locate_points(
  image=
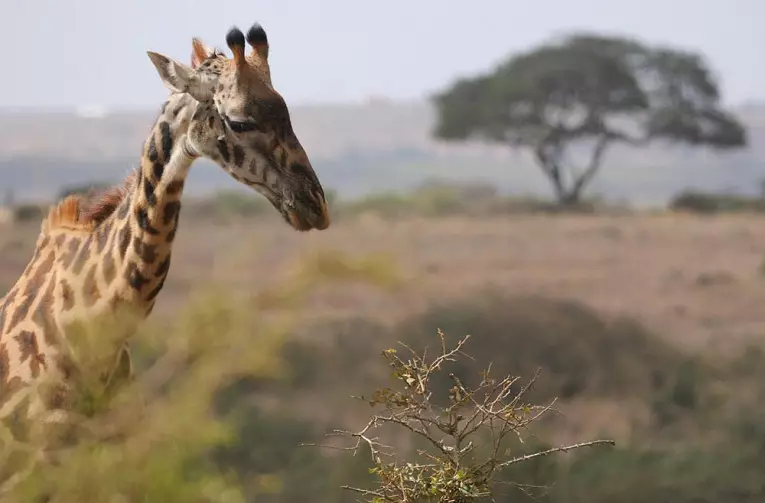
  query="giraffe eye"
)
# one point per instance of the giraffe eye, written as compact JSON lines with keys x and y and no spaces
{"x":241,"y":126}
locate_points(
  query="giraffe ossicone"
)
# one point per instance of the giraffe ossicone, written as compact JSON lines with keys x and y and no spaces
{"x":99,"y":255}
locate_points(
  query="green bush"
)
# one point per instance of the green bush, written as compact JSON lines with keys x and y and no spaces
{"x":689,"y":474}
{"x":577,"y":350}
{"x":28,"y":212}
{"x":267,"y":456}
{"x":700,"y":202}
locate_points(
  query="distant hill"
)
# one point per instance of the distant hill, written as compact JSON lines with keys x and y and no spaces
{"x":358,"y":149}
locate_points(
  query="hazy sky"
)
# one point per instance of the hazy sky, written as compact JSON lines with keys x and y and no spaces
{"x":78,"y":52}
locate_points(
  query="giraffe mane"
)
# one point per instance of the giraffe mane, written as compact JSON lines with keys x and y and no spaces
{"x":101,"y":204}
{"x":86,"y":211}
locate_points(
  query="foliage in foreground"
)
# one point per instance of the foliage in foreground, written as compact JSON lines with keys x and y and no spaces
{"x":152,"y":439}
{"x":149,"y":440}
{"x":464,"y":435}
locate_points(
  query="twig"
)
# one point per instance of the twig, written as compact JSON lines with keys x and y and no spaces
{"x":521,"y":459}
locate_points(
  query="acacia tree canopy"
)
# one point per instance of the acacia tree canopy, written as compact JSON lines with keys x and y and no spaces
{"x":588,"y":90}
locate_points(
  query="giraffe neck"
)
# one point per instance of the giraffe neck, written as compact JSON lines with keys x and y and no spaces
{"x":146,"y":221}
{"x":78,"y":273}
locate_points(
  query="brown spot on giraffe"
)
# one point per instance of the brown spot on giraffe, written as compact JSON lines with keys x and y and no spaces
{"x":148,"y":190}
{"x":152,"y":153}
{"x":20,"y":312}
{"x":82,"y":256}
{"x":174,"y":188}
{"x":72,"y":245}
{"x":135,"y":277}
{"x":41,"y":271}
{"x":67,"y":295}
{"x":167,"y":140}
{"x":147,"y":252}
{"x":44,"y":316}
{"x":90,"y":291}
{"x":170,"y":215}
{"x":124,"y":237}
{"x":30,"y":351}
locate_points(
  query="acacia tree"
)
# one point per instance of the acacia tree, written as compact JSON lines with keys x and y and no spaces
{"x":583,"y":94}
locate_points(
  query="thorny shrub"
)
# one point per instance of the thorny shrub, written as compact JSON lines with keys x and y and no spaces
{"x":458,"y":466}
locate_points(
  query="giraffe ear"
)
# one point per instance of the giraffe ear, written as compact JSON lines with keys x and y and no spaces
{"x":200,"y":52}
{"x":180,"y":78}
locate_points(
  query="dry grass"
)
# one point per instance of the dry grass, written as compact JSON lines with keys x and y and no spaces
{"x":694,"y":279}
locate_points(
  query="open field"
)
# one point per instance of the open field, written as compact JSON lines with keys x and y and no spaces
{"x":695,"y":280}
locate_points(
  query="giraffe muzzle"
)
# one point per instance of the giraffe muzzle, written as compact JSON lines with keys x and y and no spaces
{"x":307,"y":212}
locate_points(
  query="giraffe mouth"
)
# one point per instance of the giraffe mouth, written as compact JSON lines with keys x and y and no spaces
{"x":300,"y":215}
{"x":309,"y":212}
{"x":302,"y":220}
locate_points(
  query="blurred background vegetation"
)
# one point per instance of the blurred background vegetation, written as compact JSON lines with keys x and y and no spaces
{"x":646,"y":320}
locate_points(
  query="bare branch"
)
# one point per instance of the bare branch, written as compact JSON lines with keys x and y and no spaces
{"x":492,"y":406}
{"x":554,"y":450}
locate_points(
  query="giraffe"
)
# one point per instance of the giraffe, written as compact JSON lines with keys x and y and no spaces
{"x":103,"y":254}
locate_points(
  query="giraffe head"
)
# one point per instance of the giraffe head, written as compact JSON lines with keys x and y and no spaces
{"x":242,"y":124}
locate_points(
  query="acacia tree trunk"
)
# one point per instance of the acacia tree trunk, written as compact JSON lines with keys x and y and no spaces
{"x":550,"y":159}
